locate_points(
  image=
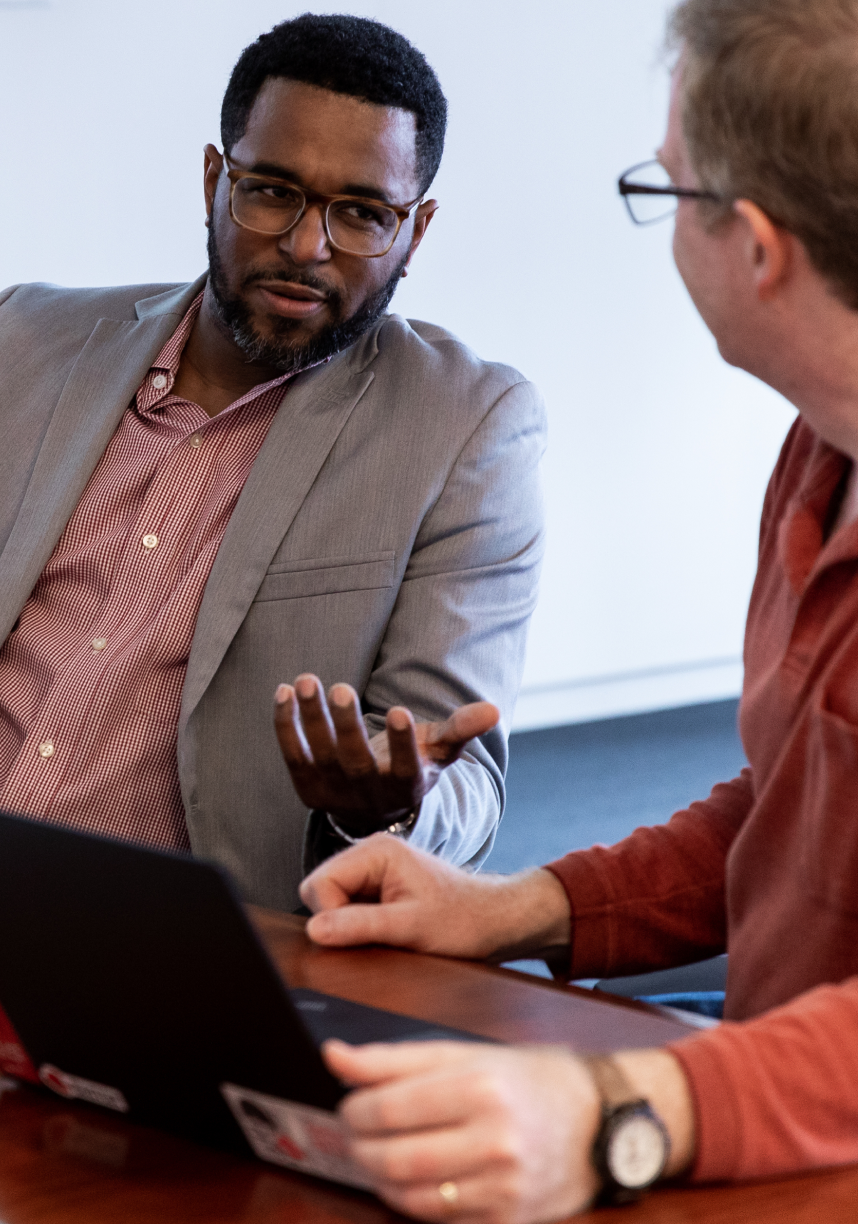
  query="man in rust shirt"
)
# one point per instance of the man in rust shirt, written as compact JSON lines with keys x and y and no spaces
{"x":761,"y":154}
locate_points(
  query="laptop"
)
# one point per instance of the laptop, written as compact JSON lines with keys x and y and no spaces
{"x":133,"y":980}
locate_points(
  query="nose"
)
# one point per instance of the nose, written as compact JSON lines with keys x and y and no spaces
{"x":307,"y":242}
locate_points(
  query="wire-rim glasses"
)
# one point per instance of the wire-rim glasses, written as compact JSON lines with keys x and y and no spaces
{"x":354,"y":225}
{"x":650,"y":196}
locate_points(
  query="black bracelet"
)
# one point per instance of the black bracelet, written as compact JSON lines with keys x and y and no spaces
{"x":398,"y":829}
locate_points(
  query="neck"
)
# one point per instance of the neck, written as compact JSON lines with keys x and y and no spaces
{"x":214,"y":372}
{"x":216,"y":359}
{"x":810,"y":356}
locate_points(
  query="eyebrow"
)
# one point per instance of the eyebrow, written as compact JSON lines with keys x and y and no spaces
{"x":364,"y":190}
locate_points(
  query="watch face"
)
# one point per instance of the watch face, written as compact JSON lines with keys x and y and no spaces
{"x":637,"y":1150}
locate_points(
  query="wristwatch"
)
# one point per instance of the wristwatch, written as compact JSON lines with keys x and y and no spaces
{"x":632,"y":1146}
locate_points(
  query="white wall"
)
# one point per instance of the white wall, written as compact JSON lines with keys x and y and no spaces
{"x":658,"y":453}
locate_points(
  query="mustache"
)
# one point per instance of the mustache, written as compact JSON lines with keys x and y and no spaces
{"x":285,"y":273}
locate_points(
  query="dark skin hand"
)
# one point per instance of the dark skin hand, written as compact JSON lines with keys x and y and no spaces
{"x":366,"y":784}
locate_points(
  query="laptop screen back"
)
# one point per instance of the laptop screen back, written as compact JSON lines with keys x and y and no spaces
{"x":138,"y":971}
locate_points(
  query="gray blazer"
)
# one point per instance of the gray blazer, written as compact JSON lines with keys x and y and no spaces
{"x":388,"y":535}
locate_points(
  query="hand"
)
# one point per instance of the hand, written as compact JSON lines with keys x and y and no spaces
{"x":410,"y":899}
{"x":511,"y":1128}
{"x":366,"y":784}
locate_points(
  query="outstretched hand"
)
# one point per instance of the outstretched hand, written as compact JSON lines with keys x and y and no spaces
{"x":366,"y":784}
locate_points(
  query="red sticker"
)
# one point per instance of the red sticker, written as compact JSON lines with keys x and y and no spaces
{"x":14,"y":1059}
{"x":290,"y":1148}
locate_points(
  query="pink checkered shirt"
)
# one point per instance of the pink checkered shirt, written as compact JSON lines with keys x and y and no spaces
{"x":91,"y":677}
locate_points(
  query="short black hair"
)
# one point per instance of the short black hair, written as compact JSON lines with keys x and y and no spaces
{"x":348,"y":55}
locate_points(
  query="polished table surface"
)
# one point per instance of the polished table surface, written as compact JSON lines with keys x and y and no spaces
{"x":71,"y":1164}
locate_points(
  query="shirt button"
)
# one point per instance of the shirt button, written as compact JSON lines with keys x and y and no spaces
{"x":150,"y":541}
{"x":195,"y":440}
{"x":99,"y":643}
{"x":159,"y":382}
{"x":46,"y":749}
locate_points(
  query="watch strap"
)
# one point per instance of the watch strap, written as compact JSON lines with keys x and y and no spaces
{"x":619,"y":1100}
{"x":611,"y":1083}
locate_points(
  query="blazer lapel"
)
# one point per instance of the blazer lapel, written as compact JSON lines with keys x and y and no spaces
{"x":313,"y":412}
{"x":100,"y":387}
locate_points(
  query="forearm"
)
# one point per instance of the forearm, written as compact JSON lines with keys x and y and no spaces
{"x":516,"y":916}
{"x":459,"y":817}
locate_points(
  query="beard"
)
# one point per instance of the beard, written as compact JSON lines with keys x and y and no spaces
{"x":280,"y":350}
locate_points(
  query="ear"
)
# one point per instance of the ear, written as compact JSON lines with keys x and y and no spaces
{"x":422,"y":217}
{"x":212,"y":166}
{"x":768,"y":248}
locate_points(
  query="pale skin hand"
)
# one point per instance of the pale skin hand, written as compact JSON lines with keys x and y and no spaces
{"x":413,"y":900}
{"x":512,"y":1127}
{"x":366,"y":784}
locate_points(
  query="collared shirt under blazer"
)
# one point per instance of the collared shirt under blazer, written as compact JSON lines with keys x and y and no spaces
{"x":388,"y":535}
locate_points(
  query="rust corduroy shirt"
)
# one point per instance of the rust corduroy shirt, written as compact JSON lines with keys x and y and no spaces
{"x":768,"y":864}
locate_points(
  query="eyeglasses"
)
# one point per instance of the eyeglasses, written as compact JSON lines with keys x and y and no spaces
{"x":650,"y":196}
{"x":352,"y":224}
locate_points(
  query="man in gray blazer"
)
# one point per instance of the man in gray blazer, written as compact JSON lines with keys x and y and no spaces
{"x":210,"y":488}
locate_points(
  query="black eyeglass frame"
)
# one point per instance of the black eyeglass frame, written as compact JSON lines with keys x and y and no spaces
{"x":627,"y":189}
{"x":402,"y":212}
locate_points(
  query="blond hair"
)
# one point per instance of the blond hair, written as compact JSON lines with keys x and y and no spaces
{"x":770,"y":114}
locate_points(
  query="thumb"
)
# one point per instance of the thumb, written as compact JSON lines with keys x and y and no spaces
{"x":466,"y":723}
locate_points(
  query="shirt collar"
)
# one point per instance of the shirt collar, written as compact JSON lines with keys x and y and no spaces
{"x":164,"y":370}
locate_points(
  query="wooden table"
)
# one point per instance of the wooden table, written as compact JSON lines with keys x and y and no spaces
{"x":70,"y":1164}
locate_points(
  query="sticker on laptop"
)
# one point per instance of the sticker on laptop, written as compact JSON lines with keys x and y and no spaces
{"x":296,"y":1136}
{"x":76,"y":1088}
{"x":14,"y":1059}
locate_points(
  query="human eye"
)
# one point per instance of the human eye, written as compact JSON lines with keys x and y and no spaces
{"x":264,"y":192}
{"x":363,"y":214}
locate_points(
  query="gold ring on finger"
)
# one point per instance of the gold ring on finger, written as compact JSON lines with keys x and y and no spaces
{"x":449,"y":1192}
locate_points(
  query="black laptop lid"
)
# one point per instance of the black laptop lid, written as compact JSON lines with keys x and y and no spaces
{"x":139,"y":971}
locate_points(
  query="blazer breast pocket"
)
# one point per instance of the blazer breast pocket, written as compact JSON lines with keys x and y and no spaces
{"x":327,"y":576}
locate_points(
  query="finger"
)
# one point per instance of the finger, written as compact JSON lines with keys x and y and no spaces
{"x":292,"y":743}
{"x":349,"y":926}
{"x":360,"y":871}
{"x":445,"y":741}
{"x":381,"y":1061}
{"x":405,"y":760}
{"x":316,"y":720}
{"x":353,"y":750}
{"x":490,"y":1195}
{"x":455,"y":1151}
{"x":435,"y":1099}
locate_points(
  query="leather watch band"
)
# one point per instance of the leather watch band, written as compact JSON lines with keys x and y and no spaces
{"x":611,"y":1083}
{"x":632,"y":1146}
